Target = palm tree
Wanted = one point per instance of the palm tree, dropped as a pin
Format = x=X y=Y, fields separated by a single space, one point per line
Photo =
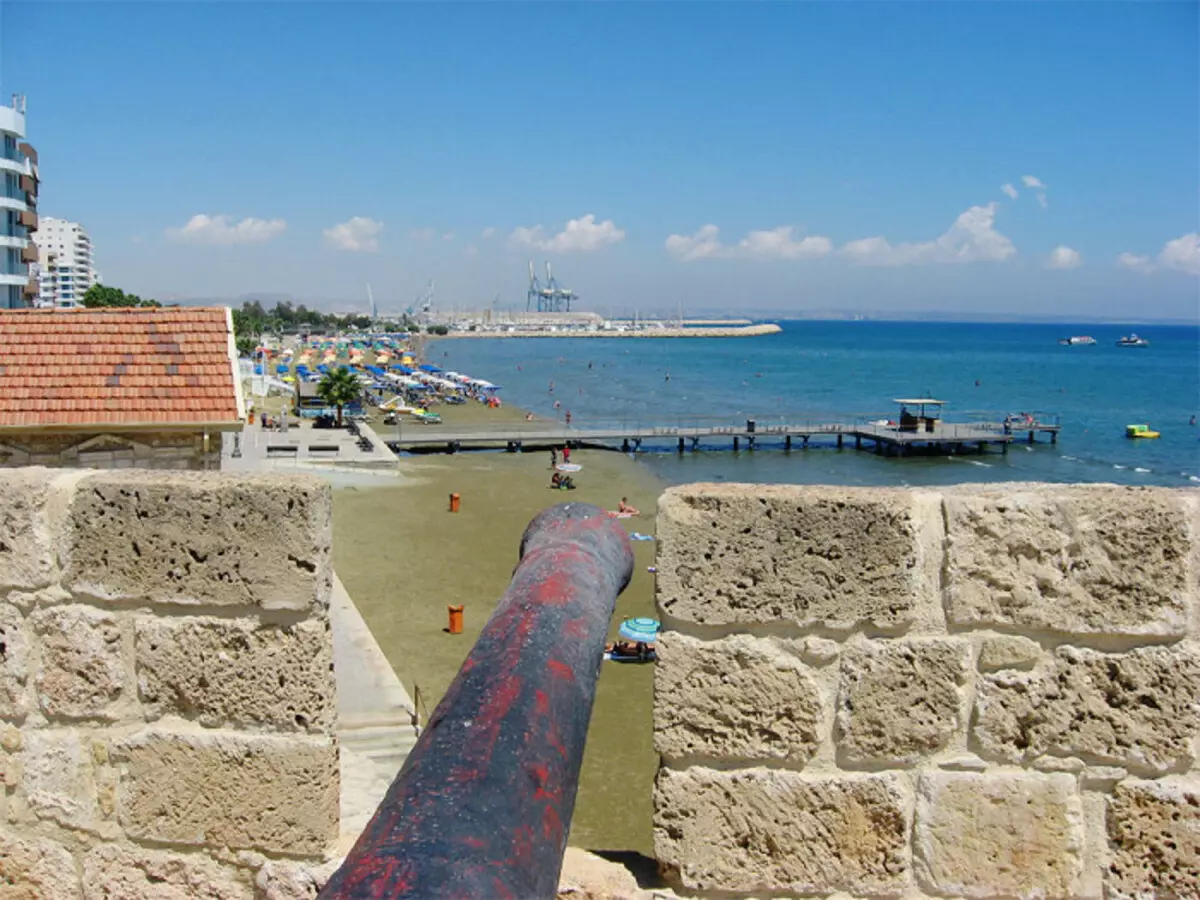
x=337 y=388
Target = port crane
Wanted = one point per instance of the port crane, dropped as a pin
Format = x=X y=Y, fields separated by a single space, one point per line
x=549 y=296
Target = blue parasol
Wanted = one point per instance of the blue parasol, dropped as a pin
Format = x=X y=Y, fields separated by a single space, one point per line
x=640 y=630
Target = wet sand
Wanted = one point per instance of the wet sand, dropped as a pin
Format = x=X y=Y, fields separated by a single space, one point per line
x=404 y=558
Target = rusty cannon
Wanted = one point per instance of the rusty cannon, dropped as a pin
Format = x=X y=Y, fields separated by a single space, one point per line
x=482 y=806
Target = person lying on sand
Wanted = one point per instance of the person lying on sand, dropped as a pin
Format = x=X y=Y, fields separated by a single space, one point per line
x=624 y=507
x=629 y=648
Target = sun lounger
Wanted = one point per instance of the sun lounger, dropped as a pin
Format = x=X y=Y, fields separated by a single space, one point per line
x=276 y=449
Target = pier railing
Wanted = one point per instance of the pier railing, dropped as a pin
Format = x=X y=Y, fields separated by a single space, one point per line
x=483 y=804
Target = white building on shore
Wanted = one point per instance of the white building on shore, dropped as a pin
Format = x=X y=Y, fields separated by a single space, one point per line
x=66 y=269
x=18 y=208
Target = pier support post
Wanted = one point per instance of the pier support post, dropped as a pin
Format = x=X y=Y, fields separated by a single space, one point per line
x=695 y=444
x=840 y=441
x=625 y=445
x=857 y=442
x=805 y=439
x=1031 y=433
x=750 y=442
x=681 y=445
x=1054 y=437
x=787 y=442
x=735 y=444
x=1004 y=448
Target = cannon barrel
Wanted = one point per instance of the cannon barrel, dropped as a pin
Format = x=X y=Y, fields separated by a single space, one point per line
x=483 y=804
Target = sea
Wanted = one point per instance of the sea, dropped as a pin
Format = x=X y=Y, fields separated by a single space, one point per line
x=825 y=371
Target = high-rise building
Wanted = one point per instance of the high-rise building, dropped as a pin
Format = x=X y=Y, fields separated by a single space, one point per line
x=18 y=208
x=65 y=268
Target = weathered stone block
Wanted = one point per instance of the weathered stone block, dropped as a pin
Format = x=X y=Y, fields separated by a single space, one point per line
x=198 y=538
x=1008 y=651
x=36 y=869
x=288 y=880
x=243 y=792
x=26 y=542
x=1076 y=560
x=761 y=830
x=120 y=872
x=999 y=835
x=898 y=700
x=58 y=777
x=816 y=556
x=238 y=673
x=82 y=671
x=741 y=697
x=1154 y=832
x=14 y=663
x=1135 y=709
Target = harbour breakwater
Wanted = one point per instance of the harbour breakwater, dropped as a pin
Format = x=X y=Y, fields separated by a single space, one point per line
x=714 y=332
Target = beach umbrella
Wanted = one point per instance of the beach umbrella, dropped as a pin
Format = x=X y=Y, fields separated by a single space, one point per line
x=640 y=630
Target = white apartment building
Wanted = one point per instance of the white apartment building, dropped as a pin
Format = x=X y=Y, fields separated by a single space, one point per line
x=18 y=208
x=66 y=268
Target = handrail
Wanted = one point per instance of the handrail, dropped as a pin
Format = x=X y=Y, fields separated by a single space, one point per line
x=482 y=806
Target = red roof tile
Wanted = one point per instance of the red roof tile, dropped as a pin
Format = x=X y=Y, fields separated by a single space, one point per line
x=122 y=366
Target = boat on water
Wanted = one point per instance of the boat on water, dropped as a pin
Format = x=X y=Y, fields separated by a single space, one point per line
x=1132 y=340
x=1077 y=340
x=1140 y=431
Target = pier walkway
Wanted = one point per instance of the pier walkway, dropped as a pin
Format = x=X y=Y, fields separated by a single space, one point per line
x=949 y=437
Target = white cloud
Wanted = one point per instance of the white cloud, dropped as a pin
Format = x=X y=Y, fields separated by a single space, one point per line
x=1182 y=254
x=1135 y=262
x=358 y=234
x=488 y=232
x=776 y=243
x=1032 y=181
x=1041 y=198
x=972 y=238
x=448 y=236
x=1063 y=257
x=202 y=229
x=582 y=235
x=1010 y=190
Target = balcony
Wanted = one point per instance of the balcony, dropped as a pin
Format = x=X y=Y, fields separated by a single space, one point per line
x=31 y=288
x=29 y=253
x=28 y=219
x=28 y=184
x=28 y=152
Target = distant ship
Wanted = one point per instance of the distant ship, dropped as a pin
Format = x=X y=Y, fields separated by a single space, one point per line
x=1133 y=340
x=1079 y=339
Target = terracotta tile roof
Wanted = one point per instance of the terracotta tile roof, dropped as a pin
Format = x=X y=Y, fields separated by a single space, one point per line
x=116 y=367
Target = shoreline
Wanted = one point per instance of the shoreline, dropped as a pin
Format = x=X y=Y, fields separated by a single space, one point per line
x=725 y=332
x=404 y=558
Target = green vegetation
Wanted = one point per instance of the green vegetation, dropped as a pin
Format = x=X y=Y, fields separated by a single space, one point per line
x=253 y=320
x=438 y=329
x=339 y=387
x=101 y=296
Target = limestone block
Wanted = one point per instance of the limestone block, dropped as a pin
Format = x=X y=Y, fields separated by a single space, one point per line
x=237 y=672
x=26 y=542
x=833 y=557
x=200 y=538
x=898 y=700
x=742 y=696
x=1135 y=709
x=59 y=778
x=999 y=835
x=238 y=791
x=1008 y=651
x=121 y=872
x=82 y=671
x=1154 y=831
x=1091 y=560
x=14 y=663
x=586 y=876
x=768 y=830
x=36 y=869
x=288 y=880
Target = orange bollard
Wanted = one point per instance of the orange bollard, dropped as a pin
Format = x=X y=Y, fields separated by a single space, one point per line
x=454 y=503
x=456 y=619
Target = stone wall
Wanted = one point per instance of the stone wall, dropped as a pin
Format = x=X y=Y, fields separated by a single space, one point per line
x=167 y=700
x=985 y=692
x=179 y=450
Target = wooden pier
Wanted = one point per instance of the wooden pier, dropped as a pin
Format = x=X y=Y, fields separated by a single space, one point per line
x=890 y=440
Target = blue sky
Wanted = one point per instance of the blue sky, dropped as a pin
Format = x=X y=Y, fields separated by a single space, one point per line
x=803 y=156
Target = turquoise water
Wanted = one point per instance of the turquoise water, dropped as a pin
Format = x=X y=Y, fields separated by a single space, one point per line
x=844 y=371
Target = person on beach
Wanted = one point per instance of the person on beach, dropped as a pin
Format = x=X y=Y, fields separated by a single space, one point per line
x=553 y=457
x=566 y=453
x=568 y=417
x=624 y=507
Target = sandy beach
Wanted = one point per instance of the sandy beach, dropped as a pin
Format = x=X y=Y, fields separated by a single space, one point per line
x=404 y=558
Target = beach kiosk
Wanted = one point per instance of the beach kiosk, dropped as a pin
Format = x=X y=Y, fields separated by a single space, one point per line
x=920 y=420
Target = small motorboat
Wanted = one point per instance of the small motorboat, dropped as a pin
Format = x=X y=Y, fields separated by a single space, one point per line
x=1132 y=340
x=1140 y=431
x=1077 y=340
